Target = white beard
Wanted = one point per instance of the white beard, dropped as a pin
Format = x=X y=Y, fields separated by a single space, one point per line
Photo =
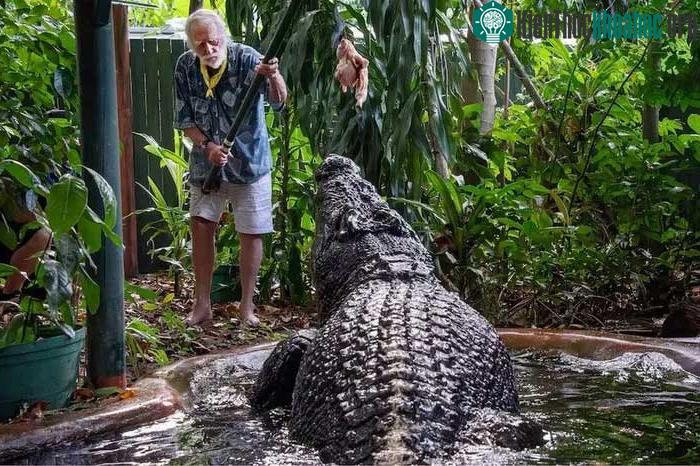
x=215 y=61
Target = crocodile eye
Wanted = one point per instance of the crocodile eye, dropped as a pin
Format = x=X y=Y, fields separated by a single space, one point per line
x=346 y=223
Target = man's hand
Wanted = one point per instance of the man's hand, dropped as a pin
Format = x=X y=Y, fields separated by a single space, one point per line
x=268 y=69
x=276 y=85
x=216 y=154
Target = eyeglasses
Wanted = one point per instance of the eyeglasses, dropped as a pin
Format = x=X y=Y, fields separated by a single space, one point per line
x=212 y=42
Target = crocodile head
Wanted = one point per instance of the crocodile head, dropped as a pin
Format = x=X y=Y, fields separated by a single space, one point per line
x=358 y=236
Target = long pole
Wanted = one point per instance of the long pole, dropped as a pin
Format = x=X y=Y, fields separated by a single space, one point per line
x=99 y=131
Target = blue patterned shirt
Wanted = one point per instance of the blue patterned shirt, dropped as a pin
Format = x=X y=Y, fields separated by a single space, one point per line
x=250 y=156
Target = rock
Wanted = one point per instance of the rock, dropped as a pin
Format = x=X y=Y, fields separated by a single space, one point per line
x=682 y=322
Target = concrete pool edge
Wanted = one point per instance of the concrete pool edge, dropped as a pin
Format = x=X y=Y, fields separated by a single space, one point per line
x=167 y=391
x=156 y=397
x=602 y=345
x=153 y=399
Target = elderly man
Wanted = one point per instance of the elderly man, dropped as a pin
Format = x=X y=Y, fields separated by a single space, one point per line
x=211 y=80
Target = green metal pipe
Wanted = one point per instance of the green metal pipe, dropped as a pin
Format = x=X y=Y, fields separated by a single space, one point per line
x=99 y=132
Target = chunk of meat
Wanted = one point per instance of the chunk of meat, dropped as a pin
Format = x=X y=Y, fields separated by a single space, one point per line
x=352 y=71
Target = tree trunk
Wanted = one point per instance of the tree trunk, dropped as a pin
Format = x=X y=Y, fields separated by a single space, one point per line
x=195 y=5
x=518 y=67
x=650 y=113
x=483 y=56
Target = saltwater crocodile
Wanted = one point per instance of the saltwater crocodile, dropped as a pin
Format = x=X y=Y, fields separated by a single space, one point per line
x=400 y=366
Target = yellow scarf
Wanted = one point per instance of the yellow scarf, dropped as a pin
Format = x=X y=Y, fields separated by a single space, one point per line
x=211 y=82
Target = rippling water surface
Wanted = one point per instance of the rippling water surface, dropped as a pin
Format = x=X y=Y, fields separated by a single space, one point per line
x=638 y=408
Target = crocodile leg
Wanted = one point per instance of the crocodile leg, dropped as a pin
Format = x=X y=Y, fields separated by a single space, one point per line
x=275 y=383
x=501 y=428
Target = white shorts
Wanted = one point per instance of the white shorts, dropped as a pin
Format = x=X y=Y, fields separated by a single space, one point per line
x=251 y=205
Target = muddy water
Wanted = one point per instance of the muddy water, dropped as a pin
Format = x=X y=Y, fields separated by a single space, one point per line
x=639 y=408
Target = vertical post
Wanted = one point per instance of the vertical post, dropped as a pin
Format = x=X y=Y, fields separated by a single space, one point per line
x=120 y=14
x=195 y=5
x=100 y=150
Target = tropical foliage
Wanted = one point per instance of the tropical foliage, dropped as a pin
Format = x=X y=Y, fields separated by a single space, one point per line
x=39 y=161
x=552 y=218
x=556 y=217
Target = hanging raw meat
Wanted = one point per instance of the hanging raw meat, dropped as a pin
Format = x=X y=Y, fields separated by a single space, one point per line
x=352 y=71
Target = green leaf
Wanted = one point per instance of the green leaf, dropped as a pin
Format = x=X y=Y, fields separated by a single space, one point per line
x=107 y=391
x=92 y=292
x=405 y=116
x=20 y=172
x=448 y=195
x=68 y=319
x=18 y=331
x=6 y=270
x=506 y=245
x=686 y=139
x=694 y=122
x=144 y=293
x=91 y=232
x=109 y=232
x=57 y=281
x=8 y=237
x=65 y=204
x=561 y=206
x=510 y=223
x=109 y=200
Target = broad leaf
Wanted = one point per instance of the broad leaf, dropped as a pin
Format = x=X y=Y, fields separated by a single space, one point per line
x=66 y=202
x=58 y=286
x=91 y=232
x=694 y=122
x=68 y=252
x=91 y=291
x=109 y=201
x=20 y=172
x=6 y=270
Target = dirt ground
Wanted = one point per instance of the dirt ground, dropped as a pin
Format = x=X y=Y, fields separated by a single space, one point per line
x=165 y=319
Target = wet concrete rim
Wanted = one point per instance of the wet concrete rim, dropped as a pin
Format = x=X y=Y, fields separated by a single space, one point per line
x=167 y=391
x=154 y=399
x=602 y=345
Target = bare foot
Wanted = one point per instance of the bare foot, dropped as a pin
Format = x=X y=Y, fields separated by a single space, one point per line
x=200 y=313
x=247 y=315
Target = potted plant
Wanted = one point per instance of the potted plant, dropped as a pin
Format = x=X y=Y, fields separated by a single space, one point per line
x=41 y=333
x=40 y=346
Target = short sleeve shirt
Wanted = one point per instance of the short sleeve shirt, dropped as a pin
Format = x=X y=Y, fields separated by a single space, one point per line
x=250 y=156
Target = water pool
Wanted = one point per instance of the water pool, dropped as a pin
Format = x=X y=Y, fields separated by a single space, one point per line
x=639 y=408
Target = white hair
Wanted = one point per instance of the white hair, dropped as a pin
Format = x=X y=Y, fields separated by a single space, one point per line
x=208 y=17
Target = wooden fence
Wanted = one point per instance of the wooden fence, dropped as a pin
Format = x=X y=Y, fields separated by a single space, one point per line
x=152 y=59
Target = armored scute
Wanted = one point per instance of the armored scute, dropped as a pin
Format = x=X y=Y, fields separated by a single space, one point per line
x=401 y=367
